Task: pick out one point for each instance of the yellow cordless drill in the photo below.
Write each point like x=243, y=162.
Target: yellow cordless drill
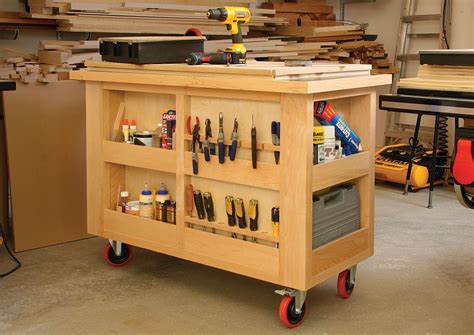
x=233, y=17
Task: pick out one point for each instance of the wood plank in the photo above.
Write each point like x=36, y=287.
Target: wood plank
x=235, y=230
x=139, y=156
x=338, y=255
x=249, y=259
x=340, y=170
x=239, y=171
x=296, y=198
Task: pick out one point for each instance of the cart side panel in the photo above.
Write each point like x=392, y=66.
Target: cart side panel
x=295, y=190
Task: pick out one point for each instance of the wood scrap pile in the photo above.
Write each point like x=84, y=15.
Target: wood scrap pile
x=13, y=20
x=367, y=52
x=142, y=17
x=303, y=12
x=54, y=61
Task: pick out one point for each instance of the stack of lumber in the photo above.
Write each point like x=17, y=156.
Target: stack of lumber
x=54, y=61
x=276, y=48
x=303, y=12
x=13, y=20
x=441, y=78
x=141, y=17
x=367, y=52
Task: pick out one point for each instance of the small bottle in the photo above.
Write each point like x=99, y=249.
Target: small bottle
x=123, y=200
x=133, y=129
x=162, y=194
x=125, y=131
x=146, y=203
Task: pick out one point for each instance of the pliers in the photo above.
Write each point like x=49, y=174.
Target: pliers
x=233, y=146
x=188, y=124
x=276, y=139
x=196, y=138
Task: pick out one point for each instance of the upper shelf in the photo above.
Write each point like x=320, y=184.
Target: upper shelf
x=256, y=76
x=341, y=170
x=139, y=156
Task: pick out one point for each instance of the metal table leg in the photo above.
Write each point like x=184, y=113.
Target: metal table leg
x=412, y=153
x=433, y=161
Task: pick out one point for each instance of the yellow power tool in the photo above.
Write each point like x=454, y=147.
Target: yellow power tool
x=233, y=17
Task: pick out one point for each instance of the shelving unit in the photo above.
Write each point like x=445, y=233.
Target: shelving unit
x=204, y=91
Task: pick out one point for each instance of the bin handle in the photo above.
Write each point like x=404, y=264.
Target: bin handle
x=332, y=199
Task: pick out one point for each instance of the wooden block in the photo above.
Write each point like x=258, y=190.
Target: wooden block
x=53, y=57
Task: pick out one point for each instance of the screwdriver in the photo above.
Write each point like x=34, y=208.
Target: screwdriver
x=209, y=206
x=276, y=139
x=199, y=204
x=253, y=134
x=253, y=214
x=275, y=221
x=205, y=145
x=220, y=139
x=230, y=210
x=233, y=147
x=189, y=199
x=240, y=212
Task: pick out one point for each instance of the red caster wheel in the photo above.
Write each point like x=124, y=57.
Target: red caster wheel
x=113, y=260
x=344, y=284
x=287, y=312
x=193, y=32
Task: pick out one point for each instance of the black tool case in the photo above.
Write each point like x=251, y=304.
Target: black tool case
x=150, y=50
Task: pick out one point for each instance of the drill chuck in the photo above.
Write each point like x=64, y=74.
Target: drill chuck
x=219, y=14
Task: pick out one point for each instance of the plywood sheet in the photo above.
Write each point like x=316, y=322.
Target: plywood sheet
x=45, y=126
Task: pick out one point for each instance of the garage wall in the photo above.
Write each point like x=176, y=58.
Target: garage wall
x=383, y=17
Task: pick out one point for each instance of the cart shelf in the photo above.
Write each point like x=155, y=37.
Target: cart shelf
x=341, y=170
x=139, y=156
x=235, y=230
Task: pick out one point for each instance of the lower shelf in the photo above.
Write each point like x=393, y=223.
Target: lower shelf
x=340, y=254
x=235, y=230
x=137, y=230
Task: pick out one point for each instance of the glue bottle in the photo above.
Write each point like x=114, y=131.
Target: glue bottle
x=125, y=131
x=133, y=129
x=146, y=203
x=162, y=194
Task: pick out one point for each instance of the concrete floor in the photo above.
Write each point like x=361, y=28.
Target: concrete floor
x=420, y=281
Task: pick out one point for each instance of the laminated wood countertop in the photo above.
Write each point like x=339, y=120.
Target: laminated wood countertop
x=255, y=76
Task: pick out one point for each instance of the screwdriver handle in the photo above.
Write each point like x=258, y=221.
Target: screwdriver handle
x=195, y=163
x=205, y=147
x=221, y=151
x=233, y=150
x=189, y=199
x=254, y=147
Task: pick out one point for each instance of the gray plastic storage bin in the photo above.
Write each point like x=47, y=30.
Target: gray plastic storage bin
x=335, y=214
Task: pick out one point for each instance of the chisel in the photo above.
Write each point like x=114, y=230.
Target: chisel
x=209, y=206
x=253, y=134
x=253, y=214
x=233, y=147
x=199, y=204
x=220, y=139
x=240, y=212
x=230, y=210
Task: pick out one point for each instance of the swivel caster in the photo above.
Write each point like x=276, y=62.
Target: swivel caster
x=117, y=253
x=346, y=282
x=292, y=307
x=465, y=195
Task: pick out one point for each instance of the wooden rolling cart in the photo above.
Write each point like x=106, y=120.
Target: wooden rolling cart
x=269, y=93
